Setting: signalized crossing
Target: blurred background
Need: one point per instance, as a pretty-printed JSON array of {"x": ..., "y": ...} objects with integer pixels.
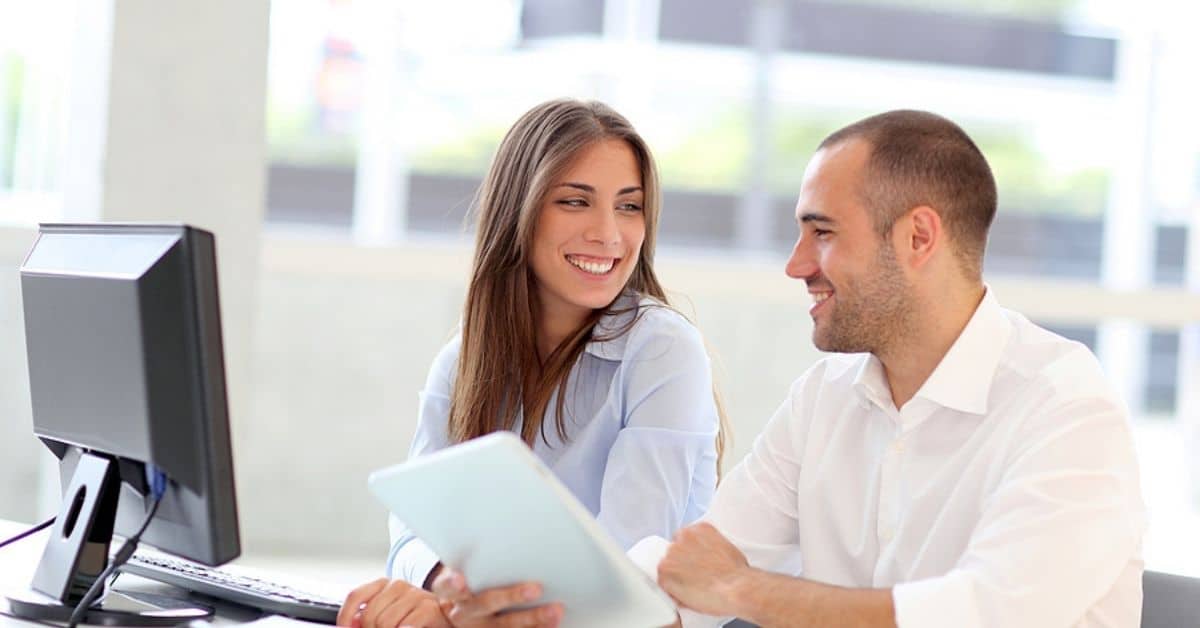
[{"x": 334, "y": 147}]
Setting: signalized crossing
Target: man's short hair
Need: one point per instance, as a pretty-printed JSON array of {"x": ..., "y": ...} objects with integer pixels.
[{"x": 919, "y": 158}]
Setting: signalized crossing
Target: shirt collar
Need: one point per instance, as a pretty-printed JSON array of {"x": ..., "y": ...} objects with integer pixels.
[
  {"x": 871, "y": 383},
  {"x": 963, "y": 379},
  {"x": 611, "y": 332}
]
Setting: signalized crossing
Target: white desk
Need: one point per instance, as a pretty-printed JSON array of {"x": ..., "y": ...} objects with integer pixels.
[{"x": 19, "y": 560}]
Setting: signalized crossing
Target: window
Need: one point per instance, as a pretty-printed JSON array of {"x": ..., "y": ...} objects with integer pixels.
[{"x": 34, "y": 59}]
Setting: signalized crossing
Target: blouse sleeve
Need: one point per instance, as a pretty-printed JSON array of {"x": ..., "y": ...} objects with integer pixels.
[
  {"x": 409, "y": 558},
  {"x": 664, "y": 456}
]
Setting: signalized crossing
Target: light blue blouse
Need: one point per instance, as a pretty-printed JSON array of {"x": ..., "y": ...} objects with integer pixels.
[{"x": 641, "y": 422}]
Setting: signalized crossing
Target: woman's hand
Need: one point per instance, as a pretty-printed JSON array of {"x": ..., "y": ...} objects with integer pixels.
[
  {"x": 387, "y": 603},
  {"x": 491, "y": 608}
]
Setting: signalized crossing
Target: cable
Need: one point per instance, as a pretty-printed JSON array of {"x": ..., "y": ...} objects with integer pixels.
[
  {"x": 34, "y": 530},
  {"x": 158, "y": 486}
]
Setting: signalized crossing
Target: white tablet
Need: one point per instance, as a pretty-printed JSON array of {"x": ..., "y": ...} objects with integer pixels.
[{"x": 490, "y": 509}]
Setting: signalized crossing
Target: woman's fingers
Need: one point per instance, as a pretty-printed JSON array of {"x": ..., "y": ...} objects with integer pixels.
[
  {"x": 499, "y": 599},
  {"x": 357, "y": 598},
  {"x": 450, "y": 585},
  {"x": 401, "y": 610},
  {"x": 493, "y": 607},
  {"x": 382, "y": 601},
  {"x": 427, "y": 613},
  {"x": 548, "y": 615}
]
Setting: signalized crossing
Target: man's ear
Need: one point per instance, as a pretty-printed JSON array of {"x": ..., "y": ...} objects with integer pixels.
[{"x": 924, "y": 235}]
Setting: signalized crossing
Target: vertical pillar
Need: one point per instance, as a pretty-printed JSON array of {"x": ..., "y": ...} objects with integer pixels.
[
  {"x": 631, "y": 21},
  {"x": 1129, "y": 222},
  {"x": 381, "y": 172},
  {"x": 630, "y": 32},
  {"x": 1188, "y": 387},
  {"x": 5, "y": 127},
  {"x": 87, "y": 111},
  {"x": 166, "y": 123},
  {"x": 1181, "y": 188},
  {"x": 753, "y": 225}
]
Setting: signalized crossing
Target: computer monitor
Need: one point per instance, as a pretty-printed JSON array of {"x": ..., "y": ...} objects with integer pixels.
[{"x": 126, "y": 375}]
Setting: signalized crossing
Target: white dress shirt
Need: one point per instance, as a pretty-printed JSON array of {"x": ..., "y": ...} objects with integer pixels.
[
  {"x": 640, "y": 452},
  {"x": 1004, "y": 494}
]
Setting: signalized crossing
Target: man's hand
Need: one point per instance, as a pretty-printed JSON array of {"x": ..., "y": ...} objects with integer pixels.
[
  {"x": 701, "y": 569},
  {"x": 388, "y": 604},
  {"x": 491, "y": 607}
]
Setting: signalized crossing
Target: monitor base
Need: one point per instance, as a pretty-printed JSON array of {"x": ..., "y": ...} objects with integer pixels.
[{"x": 117, "y": 609}]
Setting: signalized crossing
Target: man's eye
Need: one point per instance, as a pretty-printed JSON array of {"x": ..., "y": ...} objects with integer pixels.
[{"x": 820, "y": 233}]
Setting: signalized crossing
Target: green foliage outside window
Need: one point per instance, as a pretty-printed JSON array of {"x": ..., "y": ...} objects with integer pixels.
[
  {"x": 469, "y": 156},
  {"x": 295, "y": 137},
  {"x": 716, "y": 158}
]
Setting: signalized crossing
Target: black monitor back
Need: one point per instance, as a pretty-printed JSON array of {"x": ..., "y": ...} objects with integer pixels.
[{"x": 123, "y": 336}]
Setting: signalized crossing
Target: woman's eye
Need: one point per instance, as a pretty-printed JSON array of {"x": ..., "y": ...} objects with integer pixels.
[
  {"x": 573, "y": 202},
  {"x": 629, "y": 207}
]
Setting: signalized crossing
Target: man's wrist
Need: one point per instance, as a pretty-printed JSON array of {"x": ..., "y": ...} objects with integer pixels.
[{"x": 742, "y": 589}]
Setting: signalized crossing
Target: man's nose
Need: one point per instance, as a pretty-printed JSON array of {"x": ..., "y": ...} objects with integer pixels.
[{"x": 802, "y": 263}]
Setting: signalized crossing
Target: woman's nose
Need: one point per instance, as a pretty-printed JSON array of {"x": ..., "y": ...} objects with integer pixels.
[{"x": 602, "y": 228}]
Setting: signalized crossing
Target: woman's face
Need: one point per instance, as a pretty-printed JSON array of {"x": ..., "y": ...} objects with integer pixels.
[{"x": 589, "y": 231}]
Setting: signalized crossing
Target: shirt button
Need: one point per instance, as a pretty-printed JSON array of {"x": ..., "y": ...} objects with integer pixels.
[{"x": 886, "y": 534}]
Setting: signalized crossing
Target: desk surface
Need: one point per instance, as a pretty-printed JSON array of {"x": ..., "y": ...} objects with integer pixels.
[{"x": 19, "y": 560}]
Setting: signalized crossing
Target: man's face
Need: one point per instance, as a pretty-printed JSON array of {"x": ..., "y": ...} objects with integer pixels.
[{"x": 862, "y": 300}]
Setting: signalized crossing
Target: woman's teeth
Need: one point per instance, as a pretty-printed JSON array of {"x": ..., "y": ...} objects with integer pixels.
[{"x": 593, "y": 267}]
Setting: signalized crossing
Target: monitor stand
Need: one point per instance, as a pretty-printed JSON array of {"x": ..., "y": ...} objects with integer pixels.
[{"x": 77, "y": 553}]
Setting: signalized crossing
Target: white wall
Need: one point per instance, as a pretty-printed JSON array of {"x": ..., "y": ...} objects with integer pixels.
[{"x": 19, "y": 450}]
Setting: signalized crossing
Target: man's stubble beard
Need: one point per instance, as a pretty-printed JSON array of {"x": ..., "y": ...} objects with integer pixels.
[{"x": 871, "y": 313}]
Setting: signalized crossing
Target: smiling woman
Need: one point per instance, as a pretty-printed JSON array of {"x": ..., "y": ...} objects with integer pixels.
[
  {"x": 587, "y": 239},
  {"x": 565, "y": 325}
]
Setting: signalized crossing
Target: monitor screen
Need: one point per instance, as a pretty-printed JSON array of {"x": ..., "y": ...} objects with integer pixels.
[{"x": 123, "y": 336}]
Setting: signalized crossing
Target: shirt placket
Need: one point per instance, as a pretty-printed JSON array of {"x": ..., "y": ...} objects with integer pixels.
[
  {"x": 891, "y": 498},
  {"x": 888, "y": 513}
]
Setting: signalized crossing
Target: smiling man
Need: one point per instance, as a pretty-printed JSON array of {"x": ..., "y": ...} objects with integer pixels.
[{"x": 952, "y": 464}]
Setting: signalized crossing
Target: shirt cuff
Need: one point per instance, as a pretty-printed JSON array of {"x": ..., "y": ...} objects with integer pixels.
[
  {"x": 411, "y": 561},
  {"x": 646, "y": 554},
  {"x": 944, "y": 601}
]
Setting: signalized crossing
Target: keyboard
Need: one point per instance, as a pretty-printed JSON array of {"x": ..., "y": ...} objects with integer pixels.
[{"x": 239, "y": 588}]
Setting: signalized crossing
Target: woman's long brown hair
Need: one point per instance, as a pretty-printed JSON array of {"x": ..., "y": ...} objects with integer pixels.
[{"x": 500, "y": 373}]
